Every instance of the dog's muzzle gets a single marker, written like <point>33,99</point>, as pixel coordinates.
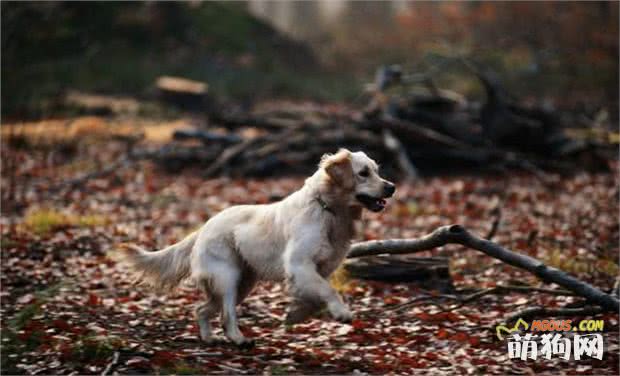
<point>376,204</point>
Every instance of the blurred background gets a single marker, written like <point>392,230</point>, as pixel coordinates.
<point>562,53</point>
<point>433,86</point>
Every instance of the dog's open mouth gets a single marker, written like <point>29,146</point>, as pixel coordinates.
<point>375,204</point>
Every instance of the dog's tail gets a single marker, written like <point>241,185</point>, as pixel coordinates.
<point>164,269</point>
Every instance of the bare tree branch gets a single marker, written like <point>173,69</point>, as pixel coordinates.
<point>456,234</point>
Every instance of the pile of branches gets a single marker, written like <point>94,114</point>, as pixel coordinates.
<point>407,130</point>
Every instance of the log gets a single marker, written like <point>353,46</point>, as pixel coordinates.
<point>180,85</point>
<point>233,121</point>
<point>206,137</point>
<point>181,92</point>
<point>429,272</point>
<point>456,234</point>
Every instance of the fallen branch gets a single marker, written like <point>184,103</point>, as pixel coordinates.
<point>111,365</point>
<point>83,179</point>
<point>206,137</point>
<point>227,156</point>
<point>456,234</point>
<point>233,122</point>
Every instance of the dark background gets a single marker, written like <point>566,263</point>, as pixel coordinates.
<point>564,53</point>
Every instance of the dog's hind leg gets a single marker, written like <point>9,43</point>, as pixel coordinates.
<point>206,311</point>
<point>234,294</point>
<point>219,266</point>
<point>246,284</point>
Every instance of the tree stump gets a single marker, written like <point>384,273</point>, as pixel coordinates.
<point>183,93</point>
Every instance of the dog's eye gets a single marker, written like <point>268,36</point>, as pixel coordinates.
<point>364,173</point>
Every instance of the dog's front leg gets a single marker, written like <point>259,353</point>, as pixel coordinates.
<point>306,284</point>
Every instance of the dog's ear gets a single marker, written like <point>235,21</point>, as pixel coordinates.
<point>338,167</point>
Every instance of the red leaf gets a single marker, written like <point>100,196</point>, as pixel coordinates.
<point>442,333</point>
<point>359,324</point>
<point>423,316</point>
<point>460,337</point>
<point>389,300</point>
<point>163,358</point>
<point>439,317</point>
<point>61,324</point>
<point>474,341</point>
<point>400,340</point>
<point>413,363</point>
<point>430,356</point>
<point>93,300</point>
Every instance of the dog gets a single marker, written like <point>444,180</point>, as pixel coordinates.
<point>301,240</point>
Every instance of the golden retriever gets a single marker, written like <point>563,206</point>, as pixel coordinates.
<point>301,239</point>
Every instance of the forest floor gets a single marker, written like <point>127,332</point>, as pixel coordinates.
<point>69,308</point>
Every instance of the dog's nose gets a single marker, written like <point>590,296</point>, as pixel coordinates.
<point>389,189</point>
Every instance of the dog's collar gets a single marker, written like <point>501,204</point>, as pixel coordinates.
<point>324,205</point>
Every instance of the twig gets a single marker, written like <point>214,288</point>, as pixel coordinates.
<point>235,150</point>
<point>417,300</point>
<point>456,234</point>
<point>525,289</point>
<point>496,222</point>
<point>110,365</point>
<point>228,155</point>
<point>232,369</point>
<point>80,180</point>
<point>479,294</point>
<point>503,289</point>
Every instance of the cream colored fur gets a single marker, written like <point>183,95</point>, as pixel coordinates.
<point>301,240</point>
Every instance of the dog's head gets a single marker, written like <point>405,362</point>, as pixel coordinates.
<point>355,177</point>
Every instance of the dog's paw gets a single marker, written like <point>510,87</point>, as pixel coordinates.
<point>294,318</point>
<point>340,313</point>
<point>244,343</point>
<point>344,317</point>
<point>295,315</point>
<point>213,341</point>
